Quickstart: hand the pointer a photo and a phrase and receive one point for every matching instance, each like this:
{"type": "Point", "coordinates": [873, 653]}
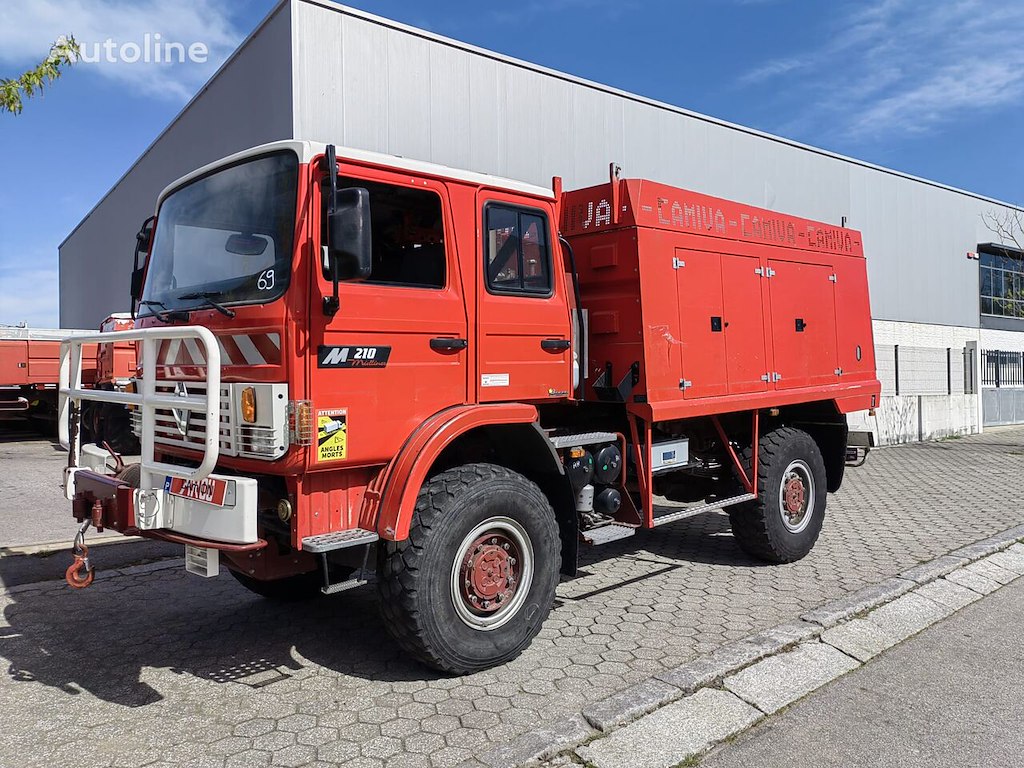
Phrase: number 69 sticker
{"type": "Point", "coordinates": [265, 282]}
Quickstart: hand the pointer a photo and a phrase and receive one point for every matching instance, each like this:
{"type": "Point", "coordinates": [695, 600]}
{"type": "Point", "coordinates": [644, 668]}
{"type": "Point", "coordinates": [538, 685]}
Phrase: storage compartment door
{"type": "Point", "coordinates": [803, 308]}
{"type": "Point", "coordinates": [743, 323]}
{"type": "Point", "coordinates": [701, 323]}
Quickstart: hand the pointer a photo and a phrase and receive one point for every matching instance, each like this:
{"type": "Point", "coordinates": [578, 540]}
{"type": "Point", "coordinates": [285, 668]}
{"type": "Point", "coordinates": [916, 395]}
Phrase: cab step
{"type": "Point", "coordinates": [343, 586]}
{"type": "Point", "coordinates": [608, 533]}
{"type": "Point", "coordinates": [328, 542]}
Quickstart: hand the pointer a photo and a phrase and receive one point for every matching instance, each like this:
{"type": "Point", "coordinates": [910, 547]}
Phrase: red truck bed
{"type": "Point", "coordinates": [31, 357]}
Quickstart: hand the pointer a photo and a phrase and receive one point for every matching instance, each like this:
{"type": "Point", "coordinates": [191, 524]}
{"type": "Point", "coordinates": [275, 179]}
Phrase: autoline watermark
{"type": "Point", "coordinates": [152, 50]}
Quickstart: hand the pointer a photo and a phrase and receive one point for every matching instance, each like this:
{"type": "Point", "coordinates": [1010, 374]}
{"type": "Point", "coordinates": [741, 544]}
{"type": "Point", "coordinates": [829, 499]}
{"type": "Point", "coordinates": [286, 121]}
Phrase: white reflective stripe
{"type": "Point", "coordinates": [194, 352]}
{"type": "Point", "coordinates": [249, 352]}
{"type": "Point", "coordinates": [172, 352]}
{"type": "Point", "coordinates": [225, 355]}
{"type": "Point", "coordinates": [274, 339]}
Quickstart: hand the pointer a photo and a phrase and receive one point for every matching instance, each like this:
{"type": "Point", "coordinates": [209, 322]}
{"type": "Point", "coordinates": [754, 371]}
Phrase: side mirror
{"type": "Point", "coordinates": [143, 240]}
{"type": "Point", "coordinates": [138, 276]}
{"type": "Point", "coordinates": [349, 250]}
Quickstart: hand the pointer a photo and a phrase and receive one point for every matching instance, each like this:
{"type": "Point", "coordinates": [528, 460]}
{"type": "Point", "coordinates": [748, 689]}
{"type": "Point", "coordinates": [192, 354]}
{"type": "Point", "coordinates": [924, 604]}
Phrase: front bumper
{"type": "Point", "coordinates": [156, 513]}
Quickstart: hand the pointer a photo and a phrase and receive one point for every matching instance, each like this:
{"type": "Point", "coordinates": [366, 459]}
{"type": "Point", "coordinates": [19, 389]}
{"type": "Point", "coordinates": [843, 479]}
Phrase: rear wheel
{"type": "Point", "coordinates": [783, 523]}
{"type": "Point", "coordinates": [476, 578]}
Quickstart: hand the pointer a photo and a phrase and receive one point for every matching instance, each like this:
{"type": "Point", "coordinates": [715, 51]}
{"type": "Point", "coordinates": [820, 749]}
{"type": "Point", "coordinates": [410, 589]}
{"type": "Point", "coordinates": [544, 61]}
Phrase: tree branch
{"type": "Point", "coordinates": [63, 53]}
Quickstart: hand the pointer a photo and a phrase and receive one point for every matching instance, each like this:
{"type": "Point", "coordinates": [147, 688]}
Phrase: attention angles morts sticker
{"type": "Point", "coordinates": [331, 434]}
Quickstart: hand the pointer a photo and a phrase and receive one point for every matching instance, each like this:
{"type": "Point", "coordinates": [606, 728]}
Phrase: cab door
{"type": "Point", "coordinates": [523, 337]}
{"type": "Point", "coordinates": [396, 351]}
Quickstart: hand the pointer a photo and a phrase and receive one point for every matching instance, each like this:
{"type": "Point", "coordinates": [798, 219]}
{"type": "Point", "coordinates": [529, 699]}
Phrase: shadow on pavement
{"type": "Point", "coordinates": [100, 639]}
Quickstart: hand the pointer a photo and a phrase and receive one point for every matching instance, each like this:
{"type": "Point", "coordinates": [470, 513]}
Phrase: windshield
{"type": "Point", "coordinates": [225, 238]}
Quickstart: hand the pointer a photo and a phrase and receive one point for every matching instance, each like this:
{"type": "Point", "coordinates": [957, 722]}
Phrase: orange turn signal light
{"type": "Point", "coordinates": [249, 405]}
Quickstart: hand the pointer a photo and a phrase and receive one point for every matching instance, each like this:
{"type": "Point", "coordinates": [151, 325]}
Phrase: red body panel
{"type": "Point", "coordinates": [36, 362]}
{"type": "Point", "coordinates": [725, 307]}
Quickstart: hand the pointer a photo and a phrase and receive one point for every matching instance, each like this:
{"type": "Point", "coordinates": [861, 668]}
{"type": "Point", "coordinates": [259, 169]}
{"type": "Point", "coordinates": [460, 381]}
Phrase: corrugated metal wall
{"type": "Point", "coordinates": [372, 85]}
{"type": "Point", "coordinates": [247, 103]}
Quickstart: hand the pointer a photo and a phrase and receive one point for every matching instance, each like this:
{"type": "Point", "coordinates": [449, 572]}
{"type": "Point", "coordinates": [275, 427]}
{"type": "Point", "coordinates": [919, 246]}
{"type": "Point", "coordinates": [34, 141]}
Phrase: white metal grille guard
{"type": "Point", "coordinates": [147, 400]}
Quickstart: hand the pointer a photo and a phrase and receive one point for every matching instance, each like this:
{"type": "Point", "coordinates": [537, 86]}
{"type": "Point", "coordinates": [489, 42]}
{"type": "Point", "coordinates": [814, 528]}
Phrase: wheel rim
{"type": "Point", "coordinates": [492, 573]}
{"type": "Point", "coordinates": [796, 496]}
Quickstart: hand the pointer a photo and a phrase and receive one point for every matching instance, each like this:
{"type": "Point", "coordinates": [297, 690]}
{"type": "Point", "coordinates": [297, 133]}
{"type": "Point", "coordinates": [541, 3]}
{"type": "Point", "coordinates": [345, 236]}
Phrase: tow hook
{"type": "Point", "coordinates": [118, 461]}
{"type": "Point", "coordinates": [74, 575]}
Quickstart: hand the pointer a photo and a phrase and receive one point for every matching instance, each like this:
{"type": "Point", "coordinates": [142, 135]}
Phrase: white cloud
{"type": "Point", "coordinates": [902, 67]}
{"type": "Point", "coordinates": [770, 70]}
{"type": "Point", "coordinates": [28, 28]}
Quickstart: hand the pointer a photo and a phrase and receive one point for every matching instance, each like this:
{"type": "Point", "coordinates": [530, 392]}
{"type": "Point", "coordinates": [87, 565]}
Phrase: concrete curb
{"type": "Point", "coordinates": [768, 671]}
{"type": "Point", "coordinates": [53, 547]}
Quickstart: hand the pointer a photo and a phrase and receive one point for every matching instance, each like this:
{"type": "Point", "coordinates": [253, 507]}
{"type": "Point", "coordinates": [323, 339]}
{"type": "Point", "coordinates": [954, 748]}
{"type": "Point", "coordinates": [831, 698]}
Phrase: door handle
{"type": "Point", "coordinates": [445, 344]}
{"type": "Point", "coordinates": [555, 345]}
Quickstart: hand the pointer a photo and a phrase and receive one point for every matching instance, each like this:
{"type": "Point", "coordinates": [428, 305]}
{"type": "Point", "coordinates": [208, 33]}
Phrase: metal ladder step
{"type": "Point", "coordinates": [343, 586]}
{"type": "Point", "coordinates": [608, 533]}
{"type": "Point", "coordinates": [682, 514]}
{"type": "Point", "coordinates": [327, 542]}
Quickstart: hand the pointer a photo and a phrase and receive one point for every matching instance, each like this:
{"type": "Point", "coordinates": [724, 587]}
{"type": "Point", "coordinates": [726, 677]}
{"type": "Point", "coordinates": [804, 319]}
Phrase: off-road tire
{"type": "Point", "coordinates": [290, 589]}
{"type": "Point", "coordinates": [758, 526]}
{"type": "Point", "coordinates": [416, 577]}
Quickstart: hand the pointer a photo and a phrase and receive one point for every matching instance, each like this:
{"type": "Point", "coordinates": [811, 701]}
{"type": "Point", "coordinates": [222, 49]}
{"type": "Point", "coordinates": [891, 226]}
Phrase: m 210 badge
{"type": "Point", "coordinates": [352, 356]}
{"type": "Point", "coordinates": [331, 434]}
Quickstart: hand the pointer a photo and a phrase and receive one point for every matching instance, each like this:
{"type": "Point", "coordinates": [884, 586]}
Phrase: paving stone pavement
{"type": "Point", "coordinates": [160, 668]}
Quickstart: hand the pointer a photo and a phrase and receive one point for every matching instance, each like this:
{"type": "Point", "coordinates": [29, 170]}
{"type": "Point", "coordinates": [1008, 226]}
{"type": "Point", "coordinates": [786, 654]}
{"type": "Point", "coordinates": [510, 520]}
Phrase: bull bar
{"type": "Point", "coordinates": [147, 400]}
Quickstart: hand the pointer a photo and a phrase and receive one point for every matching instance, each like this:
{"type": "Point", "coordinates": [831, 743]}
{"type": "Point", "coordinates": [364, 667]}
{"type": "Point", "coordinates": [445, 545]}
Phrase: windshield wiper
{"type": "Point", "coordinates": [209, 296]}
{"type": "Point", "coordinates": [167, 315]}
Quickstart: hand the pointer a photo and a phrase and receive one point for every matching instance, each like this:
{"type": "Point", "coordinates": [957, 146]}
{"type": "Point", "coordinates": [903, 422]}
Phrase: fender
{"type": "Point", "coordinates": [409, 468]}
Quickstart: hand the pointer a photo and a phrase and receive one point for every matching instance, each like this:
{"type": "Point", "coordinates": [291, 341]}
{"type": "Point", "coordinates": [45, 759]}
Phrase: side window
{"type": "Point", "coordinates": [516, 251]}
{"type": "Point", "coordinates": [407, 234]}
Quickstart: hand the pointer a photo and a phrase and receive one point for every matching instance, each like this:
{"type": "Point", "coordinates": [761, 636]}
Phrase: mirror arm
{"type": "Point", "coordinates": [332, 303]}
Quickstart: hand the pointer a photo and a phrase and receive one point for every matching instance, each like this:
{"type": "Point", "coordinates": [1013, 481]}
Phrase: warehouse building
{"type": "Point", "coordinates": [949, 329]}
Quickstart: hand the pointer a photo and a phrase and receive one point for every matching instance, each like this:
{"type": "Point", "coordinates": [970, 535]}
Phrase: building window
{"type": "Point", "coordinates": [516, 251]}
{"type": "Point", "coordinates": [1002, 283]}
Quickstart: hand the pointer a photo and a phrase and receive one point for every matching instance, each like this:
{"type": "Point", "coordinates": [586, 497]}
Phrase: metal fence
{"type": "Point", "coordinates": [1000, 368]}
{"type": "Point", "coordinates": [909, 370]}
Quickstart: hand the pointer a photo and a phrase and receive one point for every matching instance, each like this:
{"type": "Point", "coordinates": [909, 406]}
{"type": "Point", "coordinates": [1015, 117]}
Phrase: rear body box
{"type": "Point", "coordinates": [699, 305]}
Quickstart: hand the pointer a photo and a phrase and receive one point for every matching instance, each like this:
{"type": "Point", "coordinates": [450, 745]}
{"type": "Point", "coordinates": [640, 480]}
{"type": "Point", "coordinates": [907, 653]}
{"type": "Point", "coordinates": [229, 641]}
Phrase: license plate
{"type": "Point", "coordinates": [208, 490]}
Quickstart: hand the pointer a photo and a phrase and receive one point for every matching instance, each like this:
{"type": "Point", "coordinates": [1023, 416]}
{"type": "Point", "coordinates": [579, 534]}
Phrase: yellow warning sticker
{"type": "Point", "coordinates": [331, 434]}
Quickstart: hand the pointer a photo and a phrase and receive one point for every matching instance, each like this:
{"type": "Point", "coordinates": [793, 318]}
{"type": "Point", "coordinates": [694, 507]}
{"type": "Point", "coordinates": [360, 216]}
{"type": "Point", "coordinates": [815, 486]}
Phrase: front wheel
{"type": "Point", "coordinates": [471, 586]}
{"type": "Point", "coordinates": [783, 523]}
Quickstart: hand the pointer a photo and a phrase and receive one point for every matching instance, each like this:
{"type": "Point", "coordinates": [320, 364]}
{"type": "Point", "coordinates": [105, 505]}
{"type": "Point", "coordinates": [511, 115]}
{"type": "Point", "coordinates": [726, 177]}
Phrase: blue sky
{"type": "Point", "coordinates": [931, 87]}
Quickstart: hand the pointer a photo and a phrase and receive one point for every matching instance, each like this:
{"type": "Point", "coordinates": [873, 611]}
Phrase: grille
{"type": "Point", "coordinates": [167, 431]}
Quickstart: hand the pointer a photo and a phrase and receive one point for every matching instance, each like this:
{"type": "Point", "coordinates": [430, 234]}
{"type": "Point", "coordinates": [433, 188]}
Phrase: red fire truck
{"type": "Point", "coordinates": [353, 363]}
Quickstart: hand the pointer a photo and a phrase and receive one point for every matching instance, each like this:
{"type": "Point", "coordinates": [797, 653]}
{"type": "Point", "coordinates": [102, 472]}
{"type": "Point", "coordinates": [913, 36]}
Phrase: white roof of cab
{"type": "Point", "coordinates": [307, 150]}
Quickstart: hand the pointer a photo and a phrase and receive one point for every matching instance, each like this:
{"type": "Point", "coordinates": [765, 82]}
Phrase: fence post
{"type": "Point", "coordinates": [896, 367]}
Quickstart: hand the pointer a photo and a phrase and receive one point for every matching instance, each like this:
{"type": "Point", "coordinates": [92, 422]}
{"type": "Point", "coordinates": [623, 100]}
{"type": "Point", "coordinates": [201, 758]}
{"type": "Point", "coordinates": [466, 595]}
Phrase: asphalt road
{"type": "Point", "coordinates": [949, 696]}
{"type": "Point", "coordinates": [34, 512]}
{"type": "Point", "coordinates": [32, 505]}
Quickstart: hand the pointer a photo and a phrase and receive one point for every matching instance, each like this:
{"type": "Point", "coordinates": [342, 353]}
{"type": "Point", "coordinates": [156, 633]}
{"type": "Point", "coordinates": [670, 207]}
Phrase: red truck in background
{"type": "Point", "coordinates": [352, 362]}
{"type": "Point", "coordinates": [29, 369]}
